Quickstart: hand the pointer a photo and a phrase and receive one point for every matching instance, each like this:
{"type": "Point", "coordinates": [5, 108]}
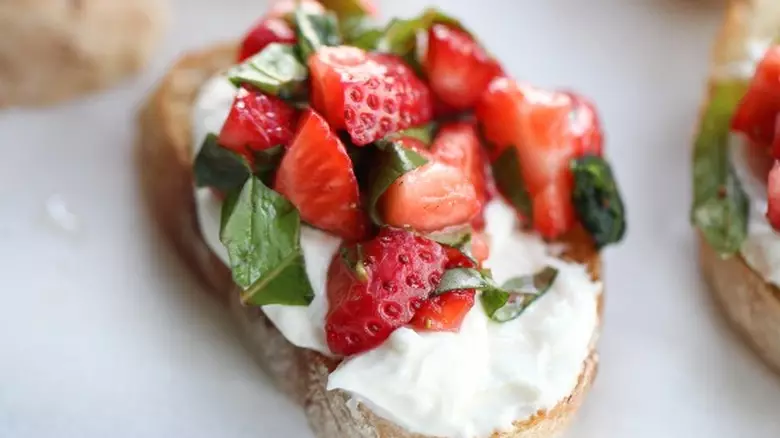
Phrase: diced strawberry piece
{"type": "Point", "coordinates": [316, 175]}
{"type": "Point", "coordinates": [283, 8]}
{"type": "Point", "coordinates": [548, 129]}
{"type": "Point", "coordinates": [399, 271]}
{"type": "Point", "coordinates": [444, 312]}
{"type": "Point", "coordinates": [479, 248]}
{"type": "Point", "coordinates": [430, 198]}
{"type": "Point", "coordinates": [256, 122]}
{"type": "Point", "coordinates": [458, 69]}
{"type": "Point", "coordinates": [369, 95]}
{"type": "Point", "coordinates": [773, 195]}
{"type": "Point", "coordinates": [757, 113]}
{"type": "Point", "coordinates": [458, 145]}
{"type": "Point", "coordinates": [265, 32]}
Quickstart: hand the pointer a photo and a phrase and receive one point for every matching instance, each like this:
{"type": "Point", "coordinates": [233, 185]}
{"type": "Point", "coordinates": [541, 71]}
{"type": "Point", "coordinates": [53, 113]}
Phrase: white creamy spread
{"type": "Point", "coordinates": [465, 384]}
{"type": "Point", "coordinates": [761, 249]}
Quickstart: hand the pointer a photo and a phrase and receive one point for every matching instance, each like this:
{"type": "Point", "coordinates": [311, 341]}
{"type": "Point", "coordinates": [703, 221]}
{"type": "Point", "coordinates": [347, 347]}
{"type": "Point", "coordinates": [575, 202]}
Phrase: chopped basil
{"type": "Point", "coordinates": [275, 70]}
{"type": "Point", "coordinates": [348, 8]}
{"type": "Point", "coordinates": [501, 303]}
{"type": "Point", "coordinates": [509, 179]}
{"type": "Point", "coordinates": [219, 167]}
{"type": "Point", "coordinates": [514, 296]}
{"type": "Point", "coordinates": [360, 32]}
{"type": "Point", "coordinates": [394, 161]}
{"type": "Point", "coordinates": [261, 231]}
{"type": "Point", "coordinates": [315, 31]}
{"type": "Point", "coordinates": [720, 206]}
{"type": "Point", "coordinates": [459, 239]}
{"type": "Point", "coordinates": [352, 257]}
{"type": "Point", "coordinates": [597, 200]}
{"type": "Point", "coordinates": [424, 133]}
{"type": "Point", "coordinates": [267, 160]}
{"type": "Point", "coordinates": [400, 36]}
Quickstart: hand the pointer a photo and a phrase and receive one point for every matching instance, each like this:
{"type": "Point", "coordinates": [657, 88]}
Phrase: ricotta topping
{"type": "Point", "coordinates": [465, 384]}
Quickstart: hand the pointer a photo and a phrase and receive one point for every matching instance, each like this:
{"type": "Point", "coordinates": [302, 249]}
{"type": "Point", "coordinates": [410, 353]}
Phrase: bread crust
{"type": "Point", "coordinates": [53, 50]}
{"type": "Point", "coordinates": [750, 304]}
{"type": "Point", "coordinates": [164, 159]}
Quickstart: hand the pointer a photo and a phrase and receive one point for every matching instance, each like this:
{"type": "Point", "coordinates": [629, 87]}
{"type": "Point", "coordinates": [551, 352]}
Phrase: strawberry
{"type": "Point", "coordinates": [757, 113]}
{"type": "Point", "coordinates": [265, 32]}
{"type": "Point", "coordinates": [256, 122]}
{"type": "Point", "coordinates": [458, 145]}
{"type": "Point", "coordinates": [773, 195]}
{"type": "Point", "coordinates": [430, 198]}
{"type": "Point", "coordinates": [479, 248]}
{"type": "Point", "coordinates": [446, 312]}
{"type": "Point", "coordinates": [458, 69]}
{"type": "Point", "coordinates": [369, 95]}
{"type": "Point", "coordinates": [548, 129]}
{"type": "Point", "coordinates": [316, 175]}
{"type": "Point", "coordinates": [397, 271]}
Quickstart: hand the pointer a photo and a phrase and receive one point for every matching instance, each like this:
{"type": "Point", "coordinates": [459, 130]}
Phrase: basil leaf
{"type": "Point", "coordinates": [510, 301]}
{"type": "Point", "coordinates": [394, 161]}
{"type": "Point", "coordinates": [509, 179]}
{"type": "Point", "coordinates": [464, 278]}
{"type": "Point", "coordinates": [267, 160]}
{"type": "Point", "coordinates": [219, 167]}
{"type": "Point", "coordinates": [720, 206]}
{"type": "Point", "coordinates": [424, 133]}
{"type": "Point", "coordinates": [597, 200]}
{"type": "Point", "coordinates": [400, 36]}
{"type": "Point", "coordinates": [261, 231]}
{"type": "Point", "coordinates": [349, 8]}
{"type": "Point", "coordinates": [359, 31]}
{"type": "Point", "coordinates": [315, 31]}
{"type": "Point", "coordinates": [459, 239]}
{"type": "Point", "coordinates": [352, 257]}
{"type": "Point", "coordinates": [275, 70]}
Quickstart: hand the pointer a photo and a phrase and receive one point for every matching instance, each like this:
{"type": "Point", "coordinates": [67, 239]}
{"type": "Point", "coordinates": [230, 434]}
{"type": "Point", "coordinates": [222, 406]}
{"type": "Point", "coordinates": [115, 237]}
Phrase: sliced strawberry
{"type": "Point", "coordinates": [283, 8]}
{"type": "Point", "coordinates": [773, 195]}
{"type": "Point", "coordinates": [479, 248]}
{"type": "Point", "coordinates": [430, 198]}
{"type": "Point", "coordinates": [399, 270]}
{"type": "Point", "coordinates": [316, 175]}
{"type": "Point", "coordinates": [368, 95]}
{"type": "Point", "coordinates": [256, 122]}
{"type": "Point", "coordinates": [548, 129]}
{"type": "Point", "coordinates": [757, 113]}
{"type": "Point", "coordinates": [458, 145]}
{"type": "Point", "coordinates": [265, 32]}
{"type": "Point", "coordinates": [458, 69]}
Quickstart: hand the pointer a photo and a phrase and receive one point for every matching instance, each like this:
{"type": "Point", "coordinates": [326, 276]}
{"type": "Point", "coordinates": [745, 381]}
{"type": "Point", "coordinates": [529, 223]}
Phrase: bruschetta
{"type": "Point", "coordinates": [408, 237]}
{"type": "Point", "coordinates": [736, 204]}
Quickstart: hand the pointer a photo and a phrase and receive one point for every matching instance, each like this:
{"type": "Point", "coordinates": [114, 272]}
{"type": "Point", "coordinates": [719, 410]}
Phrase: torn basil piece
{"type": "Point", "coordinates": [219, 167]}
{"type": "Point", "coordinates": [464, 278]}
{"type": "Point", "coordinates": [261, 231]}
{"type": "Point", "coordinates": [400, 35]}
{"type": "Point", "coordinates": [394, 161]}
{"type": "Point", "coordinates": [424, 133]}
{"type": "Point", "coordinates": [720, 206]}
{"type": "Point", "coordinates": [349, 8]}
{"type": "Point", "coordinates": [597, 200]}
{"type": "Point", "coordinates": [360, 32]}
{"type": "Point", "coordinates": [509, 180]}
{"type": "Point", "coordinates": [513, 298]}
{"type": "Point", "coordinates": [276, 70]}
{"type": "Point", "coordinates": [315, 31]}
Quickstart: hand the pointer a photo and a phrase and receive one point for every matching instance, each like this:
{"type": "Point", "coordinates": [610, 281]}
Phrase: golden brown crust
{"type": "Point", "coordinates": [53, 50]}
{"type": "Point", "coordinates": [751, 305]}
{"type": "Point", "coordinates": [165, 166]}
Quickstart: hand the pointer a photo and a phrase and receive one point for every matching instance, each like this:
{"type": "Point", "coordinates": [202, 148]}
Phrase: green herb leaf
{"type": "Point", "coordinates": [597, 200]}
{"type": "Point", "coordinates": [352, 257]}
{"type": "Point", "coordinates": [464, 278]}
{"type": "Point", "coordinates": [315, 31]}
{"type": "Point", "coordinates": [510, 301]}
{"type": "Point", "coordinates": [267, 160]}
{"type": "Point", "coordinates": [400, 36]}
{"type": "Point", "coordinates": [360, 31]}
{"type": "Point", "coordinates": [275, 70]}
{"type": "Point", "coordinates": [219, 167]}
{"type": "Point", "coordinates": [720, 206]}
{"type": "Point", "coordinates": [459, 239]}
{"type": "Point", "coordinates": [394, 161]}
{"type": "Point", "coordinates": [261, 231]}
{"type": "Point", "coordinates": [348, 8]}
{"type": "Point", "coordinates": [424, 133]}
{"type": "Point", "coordinates": [509, 179]}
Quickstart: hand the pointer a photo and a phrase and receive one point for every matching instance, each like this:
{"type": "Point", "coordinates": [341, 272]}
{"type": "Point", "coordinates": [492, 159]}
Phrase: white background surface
{"type": "Point", "coordinates": [104, 333]}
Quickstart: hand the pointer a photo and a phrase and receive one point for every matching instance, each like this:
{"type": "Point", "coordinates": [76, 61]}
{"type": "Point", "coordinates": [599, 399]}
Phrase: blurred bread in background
{"type": "Point", "coordinates": [51, 50]}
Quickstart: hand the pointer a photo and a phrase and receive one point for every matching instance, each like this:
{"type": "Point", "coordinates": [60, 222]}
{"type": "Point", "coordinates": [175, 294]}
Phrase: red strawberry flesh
{"type": "Point", "coordinates": [267, 31]}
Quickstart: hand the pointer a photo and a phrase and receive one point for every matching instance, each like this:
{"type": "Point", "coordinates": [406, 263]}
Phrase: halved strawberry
{"type": "Point", "coordinates": [256, 122]}
{"type": "Point", "coordinates": [368, 95]}
{"type": "Point", "coordinates": [773, 195]}
{"type": "Point", "coordinates": [458, 145]}
{"type": "Point", "coordinates": [548, 129]}
{"type": "Point", "coordinates": [757, 113]}
{"type": "Point", "coordinates": [265, 32]}
{"type": "Point", "coordinates": [458, 69]}
{"type": "Point", "coordinates": [430, 198]}
{"type": "Point", "coordinates": [316, 175]}
{"type": "Point", "coordinates": [398, 270]}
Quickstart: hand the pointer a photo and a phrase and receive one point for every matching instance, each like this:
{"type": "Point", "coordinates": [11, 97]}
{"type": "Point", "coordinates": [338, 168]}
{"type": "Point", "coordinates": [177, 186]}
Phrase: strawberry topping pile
{"type": "Point", "coordinates": [393, 147]}
{"type": "Point", "coordinates": [758, 117]}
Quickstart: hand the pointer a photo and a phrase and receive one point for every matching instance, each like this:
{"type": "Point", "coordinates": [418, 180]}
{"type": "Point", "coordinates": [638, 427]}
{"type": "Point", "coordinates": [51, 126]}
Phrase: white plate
{"type": "Point", "coordinates": [104, 333]}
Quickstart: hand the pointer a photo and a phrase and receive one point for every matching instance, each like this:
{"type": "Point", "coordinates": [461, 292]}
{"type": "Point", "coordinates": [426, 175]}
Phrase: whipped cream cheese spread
{"type": "Point", "coordinates": [465, 384]}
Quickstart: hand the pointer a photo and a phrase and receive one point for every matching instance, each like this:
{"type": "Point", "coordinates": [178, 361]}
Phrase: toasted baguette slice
{"type": "Point", "coordinates": [54, 50]}
{"type": "Point", "coordinates": [165, 159]}
{"type": "Point", "coordinates": [751, 305]}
